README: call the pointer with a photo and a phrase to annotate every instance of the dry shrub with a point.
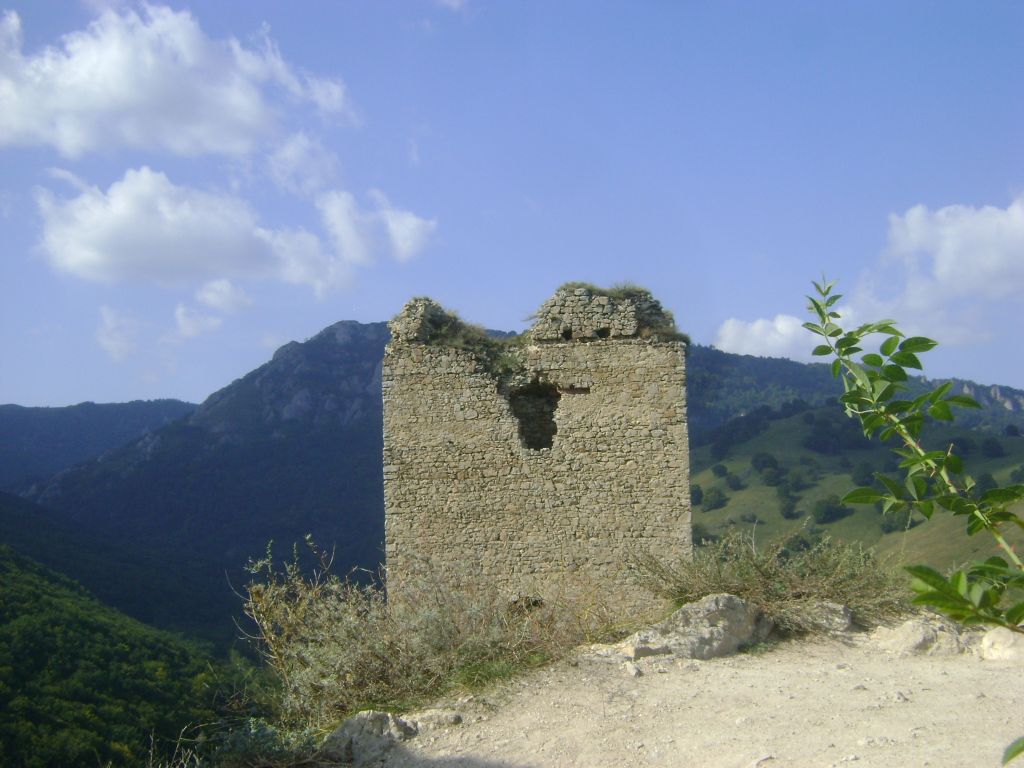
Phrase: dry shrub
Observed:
(787, 579)
(338, 646)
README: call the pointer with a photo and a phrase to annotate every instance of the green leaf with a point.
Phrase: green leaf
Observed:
(916, 486)
(895, 488)
(954, 464)
(822, 349)
(953, 605)
(889, 345)
(941, 411)
(1006, 495)
(917, 344)
(873, 360)
(958, 581)
(928, 576)
(837, 366)
(1015, 614)
(1013, 751)
(978, 595)
(963, 401)
(894, 373)
(814, 328)
(907, 360)
(936, 394)
(858, 373)
(863, 496)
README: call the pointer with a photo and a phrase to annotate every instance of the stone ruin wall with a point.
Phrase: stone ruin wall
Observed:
(547, 477)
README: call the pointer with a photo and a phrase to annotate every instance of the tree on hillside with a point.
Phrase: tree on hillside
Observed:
(714, 498)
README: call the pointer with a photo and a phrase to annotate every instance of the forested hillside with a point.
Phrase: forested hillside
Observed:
(83, 685)
(36, 443)
(294, 447)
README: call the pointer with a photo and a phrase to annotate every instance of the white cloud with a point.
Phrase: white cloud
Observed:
(146, 228)
(191, 322)
(71, 179)
(223, 295)
(116, 334)
(407, 233)
(960, 250)
(957, 268)
(351, 229)
(452, 5)
(150, 80)
(782, 336)
(302, 165)
(358, 233)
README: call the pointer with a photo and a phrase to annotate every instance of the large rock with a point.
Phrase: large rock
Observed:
(832, 618)
(922, 636)
(718, 625)
(1002, 644)
(366, 737)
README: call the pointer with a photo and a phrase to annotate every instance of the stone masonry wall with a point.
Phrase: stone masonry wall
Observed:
(548, 473)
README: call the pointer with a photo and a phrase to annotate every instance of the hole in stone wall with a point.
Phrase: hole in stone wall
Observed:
(603, 333)
(534, 408)
(567, 334)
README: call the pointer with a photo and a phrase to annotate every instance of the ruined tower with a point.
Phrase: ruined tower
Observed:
(541, 460)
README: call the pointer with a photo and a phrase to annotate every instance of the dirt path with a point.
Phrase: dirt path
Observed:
(828, 703)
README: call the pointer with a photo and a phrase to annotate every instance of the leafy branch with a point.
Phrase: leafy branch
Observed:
(874, 387)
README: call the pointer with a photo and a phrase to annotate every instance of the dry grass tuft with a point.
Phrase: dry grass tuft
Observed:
(787, 579)
(338, 647)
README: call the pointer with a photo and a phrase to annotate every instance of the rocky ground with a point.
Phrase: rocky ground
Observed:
(920, 694)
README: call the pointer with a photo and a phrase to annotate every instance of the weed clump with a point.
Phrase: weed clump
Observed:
(788, 579)
(338, 647)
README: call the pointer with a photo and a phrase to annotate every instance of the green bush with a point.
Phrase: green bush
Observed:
(829, 510)
(696, 494)
(863, 474)
(787, 508)
(733, 482)
(719, 470)
(786, 579)
(714, 498)
(894, 522)
(761, 461)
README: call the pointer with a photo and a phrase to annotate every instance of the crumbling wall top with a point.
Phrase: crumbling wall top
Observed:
(420, 320)
(584, 312)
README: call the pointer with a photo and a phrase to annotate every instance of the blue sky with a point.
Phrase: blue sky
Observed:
(185, 188)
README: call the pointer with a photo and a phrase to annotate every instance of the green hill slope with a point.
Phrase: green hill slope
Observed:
(80, 683)
(815, 454)
(133, 577)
